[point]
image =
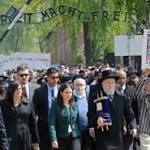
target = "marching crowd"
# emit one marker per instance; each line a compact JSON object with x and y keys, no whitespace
{"x":75,"y":109}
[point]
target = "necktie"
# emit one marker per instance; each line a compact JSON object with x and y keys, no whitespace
{"x":110,"y":97}
{"x":121,"y":89}
{"x":24,"y":92}
{"x":52,"y":92}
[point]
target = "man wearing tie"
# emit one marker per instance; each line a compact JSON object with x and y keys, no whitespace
{"x":129,"y":92}
{"x":108,"y":137}
{"x":42,"y":100}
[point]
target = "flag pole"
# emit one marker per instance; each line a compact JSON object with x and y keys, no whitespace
{"x":15,"y":19}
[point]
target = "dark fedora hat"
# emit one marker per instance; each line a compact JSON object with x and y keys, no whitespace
{"x":109,"y":73}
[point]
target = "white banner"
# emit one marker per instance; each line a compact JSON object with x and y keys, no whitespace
{"x":33,"y":60}
{"x":125,"y":46}
{"x":146,"y":50}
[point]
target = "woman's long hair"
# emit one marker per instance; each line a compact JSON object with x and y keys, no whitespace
{"x":10,"y":91}
{"x":61,"y":89}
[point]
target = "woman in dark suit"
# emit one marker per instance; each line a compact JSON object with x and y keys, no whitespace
{"x":64,"y":121}
{"x":19,"y":119}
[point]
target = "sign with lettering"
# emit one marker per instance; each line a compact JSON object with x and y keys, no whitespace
{"x":37,"y":61}
{"x":70,"y":11}
{"x":146,"y":49}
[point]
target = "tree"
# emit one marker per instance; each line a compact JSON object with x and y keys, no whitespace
{"x":112,"y":17}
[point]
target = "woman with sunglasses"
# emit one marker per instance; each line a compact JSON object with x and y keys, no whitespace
{"x":64,"y":121}
{"x":19,"y":119}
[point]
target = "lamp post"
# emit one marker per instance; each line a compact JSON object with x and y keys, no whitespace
{"x":128,"y":47}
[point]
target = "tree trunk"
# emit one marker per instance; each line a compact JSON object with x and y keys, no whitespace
{"x":88,"y":44}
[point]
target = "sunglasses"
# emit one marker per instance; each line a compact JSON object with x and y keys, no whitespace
{"x":57,"y":77}
{"x":22,"y":75}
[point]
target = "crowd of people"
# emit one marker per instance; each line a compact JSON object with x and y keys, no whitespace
{"x":94,"y":108}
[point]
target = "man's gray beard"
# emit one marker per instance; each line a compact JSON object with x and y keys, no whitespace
{"x":110,"y":92}
{"x":79,"y":93}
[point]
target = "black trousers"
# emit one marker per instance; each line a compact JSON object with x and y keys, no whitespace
{"x":44,"y":144}
{"x":87,"y":142}
{"x":69,"y":143}
{"x":128,"y":142}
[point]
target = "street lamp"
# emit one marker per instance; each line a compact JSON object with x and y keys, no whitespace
{"x":128,"y":47}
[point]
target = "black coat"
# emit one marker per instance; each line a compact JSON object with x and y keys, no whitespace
{"x":3,"y":136}
{"x":113,"y":138}
{"x":130,"y":94}
{"x":20,"y":125}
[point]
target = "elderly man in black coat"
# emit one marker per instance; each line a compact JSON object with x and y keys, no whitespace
{"x":108,"y":133}
{"x":3,"y":137}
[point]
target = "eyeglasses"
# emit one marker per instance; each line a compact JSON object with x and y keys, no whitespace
{"x":56,"y":77}
{"x":22,"y":75}
{"x":80,"y":84}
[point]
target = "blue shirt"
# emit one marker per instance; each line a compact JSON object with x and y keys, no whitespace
{"x":51,"y":96}
{"x":82,"y":103}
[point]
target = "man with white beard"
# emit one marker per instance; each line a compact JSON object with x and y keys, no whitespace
{"x":81,"y":97}
{"x":108,"y":134}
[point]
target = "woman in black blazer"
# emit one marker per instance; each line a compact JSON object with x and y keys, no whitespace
{"x":19,"y":119}
{"x":64,"y":125}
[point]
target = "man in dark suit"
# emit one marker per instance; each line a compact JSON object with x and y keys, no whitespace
{"x":108,"y":135}
{"x":3,"y":135}
{"x":129,"y":92}
{"x":42,"y":100}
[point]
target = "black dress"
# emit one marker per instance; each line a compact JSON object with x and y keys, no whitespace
{"x":20,"y":125}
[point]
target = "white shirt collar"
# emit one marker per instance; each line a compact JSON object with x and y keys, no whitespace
{"x":27,"y":88}
{"x":124,"y":87}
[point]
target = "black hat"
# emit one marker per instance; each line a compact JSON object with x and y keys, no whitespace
{"x":41,"y":80}
{"x":66,"y":78}
{"x":109,"y":73}
{"x":78,"y":76}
